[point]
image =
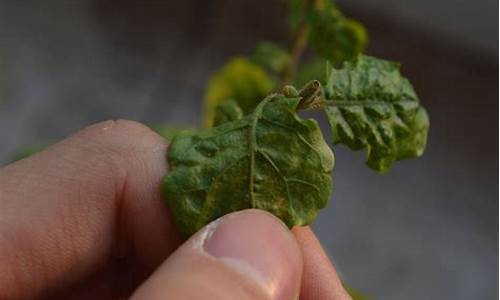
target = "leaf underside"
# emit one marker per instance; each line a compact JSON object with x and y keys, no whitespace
{"x":271,"y":160}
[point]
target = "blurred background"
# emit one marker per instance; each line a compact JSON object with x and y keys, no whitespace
{"x":427,"y":230}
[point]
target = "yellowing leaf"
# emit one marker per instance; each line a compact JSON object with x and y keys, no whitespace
{"x":240,"y":80}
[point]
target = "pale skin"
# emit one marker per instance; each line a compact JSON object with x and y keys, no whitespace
{"x":84,"y":219}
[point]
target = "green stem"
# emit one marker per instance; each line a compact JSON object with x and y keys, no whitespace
{"x":298,"y":46}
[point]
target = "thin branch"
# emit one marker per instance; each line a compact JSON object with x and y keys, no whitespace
{"x":298,"y":46}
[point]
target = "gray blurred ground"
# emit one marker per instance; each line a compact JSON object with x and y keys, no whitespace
{"x":427,"y":230}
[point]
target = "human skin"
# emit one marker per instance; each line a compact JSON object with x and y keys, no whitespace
{"x":84,"y":219}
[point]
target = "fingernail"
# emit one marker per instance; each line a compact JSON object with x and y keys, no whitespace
{"x":259,"y":245}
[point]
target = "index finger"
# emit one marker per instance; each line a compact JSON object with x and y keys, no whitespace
{"x":320,"y":280}
{"x":66,"y":210}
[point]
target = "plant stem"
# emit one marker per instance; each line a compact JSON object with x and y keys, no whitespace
{"x":298,"y":46}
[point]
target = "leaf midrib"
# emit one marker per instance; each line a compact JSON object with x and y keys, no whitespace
{"x":362,"y":102}
{"x":252,"y":145}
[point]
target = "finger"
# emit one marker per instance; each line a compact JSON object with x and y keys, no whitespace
{"x":65,"y":211}
{"x":244,"y":255}
{"x":319,"y":279}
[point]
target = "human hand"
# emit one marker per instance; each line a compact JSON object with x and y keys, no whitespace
{"x":84,"y":219}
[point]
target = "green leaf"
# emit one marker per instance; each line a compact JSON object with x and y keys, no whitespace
{"x":335,"y":37}
{"x":227,"y":111}
{"x":28,"y":151}
{"x":298,"y":10}
{"x":168,"y":132}
{"x":271,"y":159}
{"x":370,"y":105}
{"x":311,"y":70}
{"x":271,"y":57}
{"x":240,"y":80}
{"x":355,"y":294}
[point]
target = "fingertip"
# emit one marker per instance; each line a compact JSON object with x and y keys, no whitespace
{"x":260,"y":245}
{"x":244,"y":255}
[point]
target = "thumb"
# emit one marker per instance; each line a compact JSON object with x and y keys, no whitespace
{"x":244,"y":255}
